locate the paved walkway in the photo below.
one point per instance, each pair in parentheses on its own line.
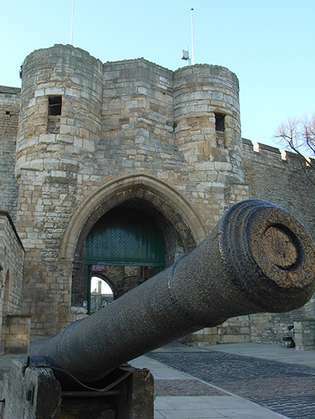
(267,351)
(280,379)
(182,396)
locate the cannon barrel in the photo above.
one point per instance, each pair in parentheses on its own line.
(257,259)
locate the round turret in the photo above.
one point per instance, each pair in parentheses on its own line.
(207,117)
(61,103)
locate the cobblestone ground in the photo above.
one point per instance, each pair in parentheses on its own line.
(184,388)
(284,388)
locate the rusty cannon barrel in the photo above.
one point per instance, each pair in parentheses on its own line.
(257,259)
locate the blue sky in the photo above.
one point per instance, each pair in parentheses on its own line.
(268,44)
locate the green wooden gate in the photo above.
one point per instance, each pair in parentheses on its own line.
(125,237)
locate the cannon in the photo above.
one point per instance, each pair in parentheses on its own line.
(257,259)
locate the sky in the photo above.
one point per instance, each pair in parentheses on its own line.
(105,288)
(268,44)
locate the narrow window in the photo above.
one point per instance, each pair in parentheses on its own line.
(54,113)
(219,122)
(54,105)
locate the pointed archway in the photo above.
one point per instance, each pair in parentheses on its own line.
(177,221)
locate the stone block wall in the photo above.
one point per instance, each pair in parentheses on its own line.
(283,180)
(235,330)
(11,275)
(9,115)
(304,334)
(131,129)
(17,334)
(124,118)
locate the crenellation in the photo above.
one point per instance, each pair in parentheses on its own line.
(268,155)
(268,149)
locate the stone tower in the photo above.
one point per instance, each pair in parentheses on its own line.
(207,120)
(84,124)
(60,118)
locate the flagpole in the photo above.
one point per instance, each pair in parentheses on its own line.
(72,21)
(192,28)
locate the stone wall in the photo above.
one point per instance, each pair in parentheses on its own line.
(9,114)
(118,120)
(11,275)
(130,130)
(17,331)
(304,334)
(282,179)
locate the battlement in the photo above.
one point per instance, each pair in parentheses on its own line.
(269,155)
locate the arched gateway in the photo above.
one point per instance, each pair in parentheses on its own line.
(126,245)
(127,231)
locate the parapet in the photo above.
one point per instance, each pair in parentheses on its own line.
(136,61)
(271,155)
(204,71)
(7,90)
(61,50)
(10,96)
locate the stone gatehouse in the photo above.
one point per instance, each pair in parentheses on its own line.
(115,169)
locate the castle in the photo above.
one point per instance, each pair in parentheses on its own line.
(114,170)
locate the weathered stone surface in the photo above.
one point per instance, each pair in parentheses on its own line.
(234,271)
(26,391)
(304,334)
(9,114)
(11,285)
(35,393)
(130,130)
(17,333)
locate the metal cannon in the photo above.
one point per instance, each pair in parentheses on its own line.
(257,259)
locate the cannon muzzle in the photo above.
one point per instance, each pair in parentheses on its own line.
(257,259)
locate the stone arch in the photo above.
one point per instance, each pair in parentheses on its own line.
(166,199)
(163,202)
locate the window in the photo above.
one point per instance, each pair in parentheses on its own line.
(54,113)
(54,105)
(219,122)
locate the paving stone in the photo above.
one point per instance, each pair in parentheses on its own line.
(287,389)
(185,388)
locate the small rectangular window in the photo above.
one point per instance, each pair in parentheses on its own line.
(54,114)
(219,122)
(54,105)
